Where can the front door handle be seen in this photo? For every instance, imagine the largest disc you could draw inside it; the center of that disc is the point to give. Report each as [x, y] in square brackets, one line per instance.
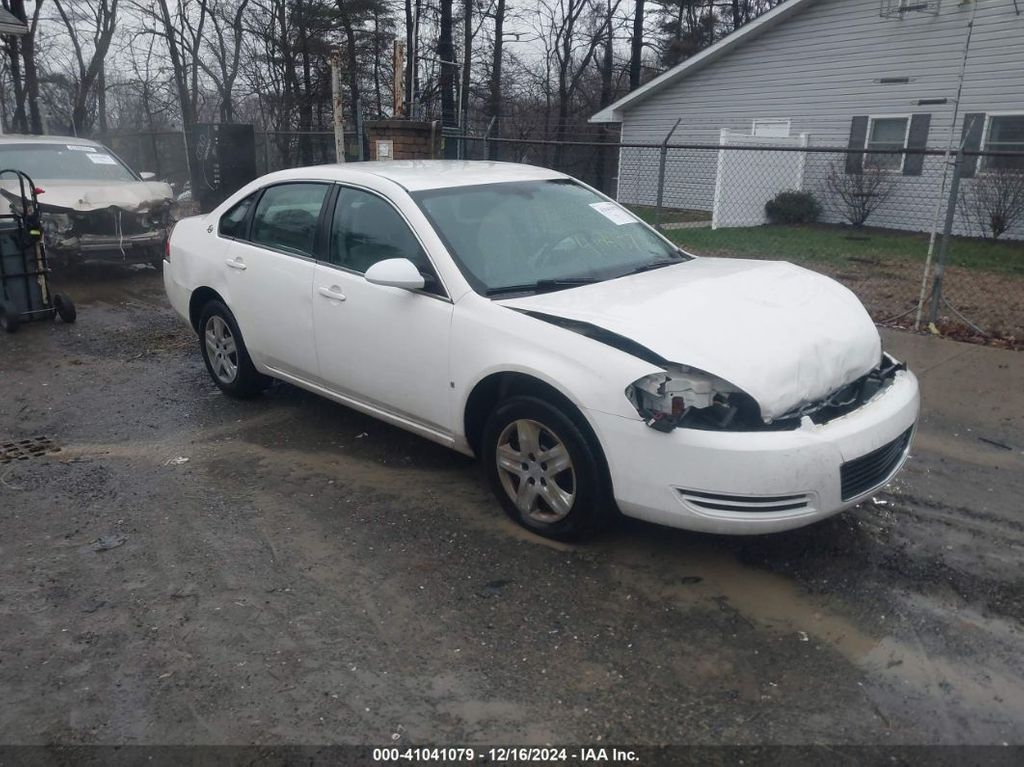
[333, 293]
[236, 263]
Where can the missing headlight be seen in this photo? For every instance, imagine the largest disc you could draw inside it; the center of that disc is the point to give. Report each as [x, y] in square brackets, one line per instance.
[684, 397]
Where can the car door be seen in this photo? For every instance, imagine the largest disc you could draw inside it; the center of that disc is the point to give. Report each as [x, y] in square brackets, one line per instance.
[384, 346]
[270, 274]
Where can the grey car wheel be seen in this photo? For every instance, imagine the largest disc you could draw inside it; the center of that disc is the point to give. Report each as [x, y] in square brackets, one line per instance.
[536, 471]
[221, 349]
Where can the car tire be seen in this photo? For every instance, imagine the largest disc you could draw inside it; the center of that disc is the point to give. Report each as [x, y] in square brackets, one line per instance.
[227, 360]
[65, 308]
[10, 319]
[569, 503]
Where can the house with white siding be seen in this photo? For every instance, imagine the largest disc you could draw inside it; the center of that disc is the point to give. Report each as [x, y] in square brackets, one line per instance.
[857, 74]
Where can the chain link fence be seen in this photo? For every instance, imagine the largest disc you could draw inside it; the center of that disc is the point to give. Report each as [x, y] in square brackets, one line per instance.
[164, 152]
[863, 218]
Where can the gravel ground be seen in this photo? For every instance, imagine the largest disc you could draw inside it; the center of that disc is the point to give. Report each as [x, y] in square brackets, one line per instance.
[189, 569]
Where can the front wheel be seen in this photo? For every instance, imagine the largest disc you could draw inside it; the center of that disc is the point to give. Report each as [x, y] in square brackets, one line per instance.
[544, 470]
[227, 360]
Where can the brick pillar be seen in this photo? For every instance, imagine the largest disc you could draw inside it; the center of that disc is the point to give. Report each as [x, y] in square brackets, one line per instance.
[410, 140]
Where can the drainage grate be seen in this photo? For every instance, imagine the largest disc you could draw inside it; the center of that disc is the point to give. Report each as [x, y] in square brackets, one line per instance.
[23, 449]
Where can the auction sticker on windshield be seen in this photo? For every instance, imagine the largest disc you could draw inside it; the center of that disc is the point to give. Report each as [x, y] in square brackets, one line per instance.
[613, 213]
[80, 148]
[102, 159]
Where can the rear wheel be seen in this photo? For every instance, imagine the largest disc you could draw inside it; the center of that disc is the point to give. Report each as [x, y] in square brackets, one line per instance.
[227, 360]
[544, 470]
[10, 319]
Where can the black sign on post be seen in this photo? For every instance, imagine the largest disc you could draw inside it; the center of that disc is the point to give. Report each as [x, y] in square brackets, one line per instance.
[223, 159]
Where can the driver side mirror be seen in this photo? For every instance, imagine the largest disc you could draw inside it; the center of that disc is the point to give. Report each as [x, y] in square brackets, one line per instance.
[147, 175]
[396, 273]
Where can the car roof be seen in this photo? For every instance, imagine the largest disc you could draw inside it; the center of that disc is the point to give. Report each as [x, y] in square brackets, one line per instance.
[418, 175]
[24, 138]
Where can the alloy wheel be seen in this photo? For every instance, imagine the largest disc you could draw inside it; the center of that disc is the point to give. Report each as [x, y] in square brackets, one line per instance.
[536, 471]
[221, 349]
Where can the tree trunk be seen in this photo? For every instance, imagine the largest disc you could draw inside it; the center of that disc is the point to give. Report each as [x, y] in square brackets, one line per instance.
[467, 58]
[352, 60]
[30, 94]
[101, 99]
[410, 58]
[19, 121]
[415, 57]
[494, 108]
[446, 52]
[636, 45]
[607, 63]
[376, 64]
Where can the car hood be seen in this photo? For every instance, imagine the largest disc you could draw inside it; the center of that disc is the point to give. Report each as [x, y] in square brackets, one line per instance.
[85, 196]
[785, 335]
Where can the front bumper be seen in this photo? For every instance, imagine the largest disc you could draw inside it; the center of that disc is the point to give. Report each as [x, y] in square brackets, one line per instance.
[757, 482]
[129, 249]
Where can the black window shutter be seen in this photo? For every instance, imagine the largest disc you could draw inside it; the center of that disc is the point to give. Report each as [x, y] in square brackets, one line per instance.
[913, 164]
[974, 126]
[858, 138]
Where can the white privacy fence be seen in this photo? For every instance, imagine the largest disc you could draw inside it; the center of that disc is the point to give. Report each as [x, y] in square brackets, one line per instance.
[747, 179]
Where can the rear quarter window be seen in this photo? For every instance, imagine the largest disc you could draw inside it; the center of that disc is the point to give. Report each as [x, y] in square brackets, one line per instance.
[232, 223]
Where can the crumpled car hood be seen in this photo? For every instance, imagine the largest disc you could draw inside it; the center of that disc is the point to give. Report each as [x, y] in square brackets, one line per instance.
[85, 196]
[785, 335]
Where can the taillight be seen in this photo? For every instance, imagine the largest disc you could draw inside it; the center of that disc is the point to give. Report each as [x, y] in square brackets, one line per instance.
[167, 244]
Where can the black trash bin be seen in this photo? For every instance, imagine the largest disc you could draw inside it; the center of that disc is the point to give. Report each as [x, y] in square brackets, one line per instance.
[24, 276]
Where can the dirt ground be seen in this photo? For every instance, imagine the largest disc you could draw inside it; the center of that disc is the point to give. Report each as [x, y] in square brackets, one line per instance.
[191, 569]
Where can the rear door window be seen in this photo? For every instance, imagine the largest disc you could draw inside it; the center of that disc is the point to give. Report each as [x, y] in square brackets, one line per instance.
[287, 217]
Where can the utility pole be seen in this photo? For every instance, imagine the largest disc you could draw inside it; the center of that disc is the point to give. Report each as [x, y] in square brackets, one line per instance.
[338, 106]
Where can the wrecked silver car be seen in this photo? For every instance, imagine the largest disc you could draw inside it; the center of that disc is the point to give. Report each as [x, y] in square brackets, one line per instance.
[92, 205]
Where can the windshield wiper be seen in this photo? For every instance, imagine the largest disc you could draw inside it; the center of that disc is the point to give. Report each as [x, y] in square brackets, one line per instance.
[542, 286]
[656, 265]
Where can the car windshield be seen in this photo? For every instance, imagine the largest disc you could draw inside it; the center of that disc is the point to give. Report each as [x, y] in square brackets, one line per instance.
[65, 162]
[541, 235]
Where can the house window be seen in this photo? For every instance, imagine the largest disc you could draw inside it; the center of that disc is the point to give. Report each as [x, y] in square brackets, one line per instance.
[886, 133]
[1005, 133]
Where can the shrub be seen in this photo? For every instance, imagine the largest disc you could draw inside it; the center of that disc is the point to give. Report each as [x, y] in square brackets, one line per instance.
[995, 204]
[855, 196]
[793, 208]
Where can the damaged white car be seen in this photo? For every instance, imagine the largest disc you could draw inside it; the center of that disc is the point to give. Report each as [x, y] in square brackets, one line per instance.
[512, 313]
[92, 205]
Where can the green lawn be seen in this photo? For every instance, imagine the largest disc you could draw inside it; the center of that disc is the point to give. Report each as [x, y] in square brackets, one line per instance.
[841, 245]
[669, 215]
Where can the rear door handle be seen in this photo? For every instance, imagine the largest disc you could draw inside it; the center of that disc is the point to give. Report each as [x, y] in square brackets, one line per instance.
[236, 263]
[333, 293]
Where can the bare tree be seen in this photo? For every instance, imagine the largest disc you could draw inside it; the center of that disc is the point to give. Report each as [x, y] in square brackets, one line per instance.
[855, 196]
[225, 46]
[636, 45]
[494, 98]
[99, 20]
[446, 54]
[994, 202]
[27, 117]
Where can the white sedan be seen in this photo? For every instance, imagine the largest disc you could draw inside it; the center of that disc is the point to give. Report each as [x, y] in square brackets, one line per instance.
[515, 314]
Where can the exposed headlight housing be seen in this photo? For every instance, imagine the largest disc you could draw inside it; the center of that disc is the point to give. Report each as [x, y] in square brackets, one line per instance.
[687, 397]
